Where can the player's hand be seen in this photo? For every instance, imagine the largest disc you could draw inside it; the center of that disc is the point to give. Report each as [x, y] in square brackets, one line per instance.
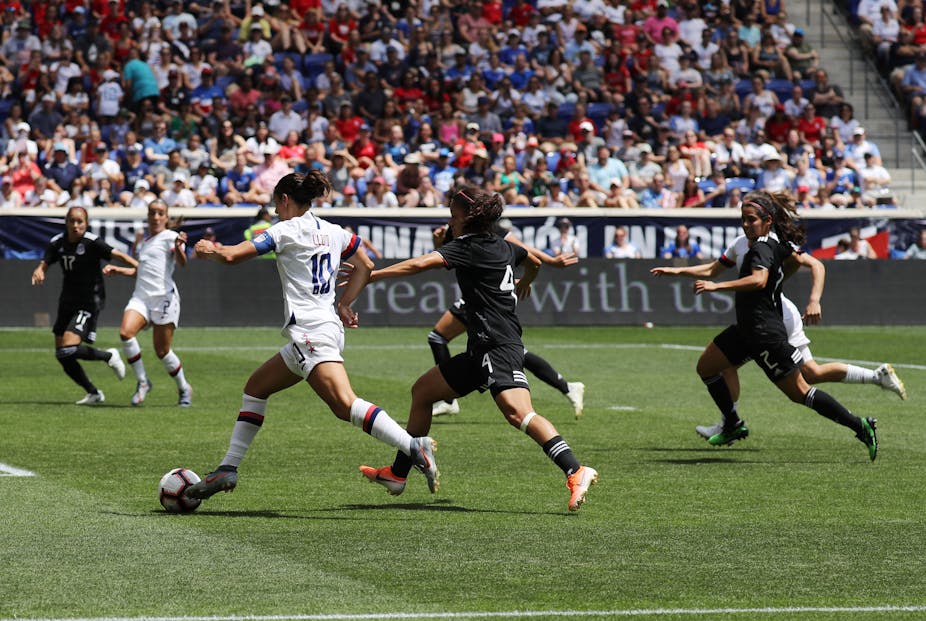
[109, 270]
[344, 273]
[664, 271]
[204, 248]
[180, 242]
[38, 277]
[700, 286]
[523, 290]
[438, 234]
[565, 260]
[814, 313]
[348, 317]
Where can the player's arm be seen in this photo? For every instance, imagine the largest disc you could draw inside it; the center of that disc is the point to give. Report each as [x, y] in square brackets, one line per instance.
[228, 255]
[531, 268]
[813, 314]
[754, 282]
[409, 267]
[122, 257]
[361, 269]
[563, 260]
[704, 270]
[180, 249]
[38, 274]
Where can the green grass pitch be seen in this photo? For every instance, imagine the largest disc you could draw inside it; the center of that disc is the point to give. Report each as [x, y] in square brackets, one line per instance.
[794, 517]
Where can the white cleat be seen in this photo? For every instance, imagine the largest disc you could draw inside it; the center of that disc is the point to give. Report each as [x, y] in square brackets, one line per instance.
[115, 363]
[888, 380]
[92, 398]
[706, 431]
[186, 396]
[141, 391]
[423, 457]
[442, 408]
[576, 396]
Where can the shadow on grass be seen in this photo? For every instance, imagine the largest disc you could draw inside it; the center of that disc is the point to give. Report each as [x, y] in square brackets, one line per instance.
[437, 506]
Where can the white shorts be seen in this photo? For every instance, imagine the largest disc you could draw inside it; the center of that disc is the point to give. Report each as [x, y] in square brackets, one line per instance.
[308, 347]
[795, 327]
[159, 310]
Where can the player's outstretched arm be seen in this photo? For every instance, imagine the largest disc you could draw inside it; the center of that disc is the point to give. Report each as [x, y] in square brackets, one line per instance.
[122, 257]
[754, 282]
[704, 270]
[229, 255]
[409, 267]
[560, 261]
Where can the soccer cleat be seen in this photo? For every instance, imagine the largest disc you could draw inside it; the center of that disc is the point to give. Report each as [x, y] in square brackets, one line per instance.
[223, 479]
[868, 436]
[115, 363]
[888, 380]
[578, 483]
[576, 396]
[92, 398]
[186, 396]
[141, 391]
[706, 431]
[442, 407]
[729, 436]
[423, 455]
[393, 484]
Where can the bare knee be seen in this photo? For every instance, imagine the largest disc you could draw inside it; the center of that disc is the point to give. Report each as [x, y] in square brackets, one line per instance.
[811, 373]
[161, 350]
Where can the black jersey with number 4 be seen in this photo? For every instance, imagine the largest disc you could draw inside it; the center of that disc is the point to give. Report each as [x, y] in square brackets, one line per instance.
[484, 266]
[83, 276]
[758, 313]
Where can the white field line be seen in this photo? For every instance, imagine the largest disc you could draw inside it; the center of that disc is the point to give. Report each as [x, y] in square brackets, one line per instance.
[514, 614]
[580, 346]
[7, 470]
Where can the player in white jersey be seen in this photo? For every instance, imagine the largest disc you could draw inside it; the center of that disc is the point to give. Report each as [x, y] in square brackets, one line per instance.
[155, 302]
[309, 252]
[814, 372]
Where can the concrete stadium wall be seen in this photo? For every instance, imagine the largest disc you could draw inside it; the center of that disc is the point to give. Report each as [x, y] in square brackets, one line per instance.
[596, 292]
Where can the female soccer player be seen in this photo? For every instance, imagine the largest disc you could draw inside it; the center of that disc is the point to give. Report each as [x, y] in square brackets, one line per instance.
[883, 376]
[453, 323]
[494, 356]
[309, 251]
[82, 298]
[770, 224]
[155, 302]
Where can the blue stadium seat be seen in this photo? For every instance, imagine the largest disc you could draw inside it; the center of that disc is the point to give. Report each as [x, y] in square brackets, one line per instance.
[300, 106]
[598, 112]
[745, 184]
[223, 81]
[311, 62]
[565, 111]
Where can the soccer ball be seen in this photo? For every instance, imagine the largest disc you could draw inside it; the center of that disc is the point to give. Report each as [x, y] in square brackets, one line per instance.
[171, 488]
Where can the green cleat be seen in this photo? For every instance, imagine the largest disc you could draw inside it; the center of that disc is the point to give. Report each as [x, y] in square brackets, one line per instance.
[729, 436]
[868, 436]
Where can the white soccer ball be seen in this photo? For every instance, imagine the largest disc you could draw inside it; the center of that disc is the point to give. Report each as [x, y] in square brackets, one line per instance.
[171, 488]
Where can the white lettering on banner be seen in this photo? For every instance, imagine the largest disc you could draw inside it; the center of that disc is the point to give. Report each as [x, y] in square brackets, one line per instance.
[712, 239]
[716, 302]
[642, 237]
[398, 242]
[120, 234]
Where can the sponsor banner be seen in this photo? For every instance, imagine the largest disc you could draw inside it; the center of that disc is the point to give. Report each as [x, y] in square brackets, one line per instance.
[401, 237]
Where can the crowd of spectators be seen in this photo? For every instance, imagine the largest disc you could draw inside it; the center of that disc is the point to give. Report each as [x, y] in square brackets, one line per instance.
[565, 103]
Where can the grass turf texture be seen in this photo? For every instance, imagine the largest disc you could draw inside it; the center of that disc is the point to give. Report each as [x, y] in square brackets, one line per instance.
[794, 516]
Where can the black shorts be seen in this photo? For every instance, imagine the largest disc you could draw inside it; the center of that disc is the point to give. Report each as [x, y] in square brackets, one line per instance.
[79, 319]
[777, 359]
[458, 310]
[495, 370]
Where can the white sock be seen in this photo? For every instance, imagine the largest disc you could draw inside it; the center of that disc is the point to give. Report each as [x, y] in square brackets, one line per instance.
[375, 421]
[133, 357]
[250, 419]
[174, 369]
[859, 375]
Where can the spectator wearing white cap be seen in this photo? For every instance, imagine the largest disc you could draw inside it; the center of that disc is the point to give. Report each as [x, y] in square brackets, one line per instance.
[20, 142]
[45, 117]
[60, 170]
[9, 198]
[109, 96]
[860, 146]
[103, 167]
[64, 69]
[177, 193]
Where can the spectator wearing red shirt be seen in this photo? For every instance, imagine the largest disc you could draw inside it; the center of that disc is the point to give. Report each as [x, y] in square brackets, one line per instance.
[348, 124]
[626, 34]
[109, 24]
[363, 147]
[339, 28]
[778, 125]
[811, 126]
[520, 13]
[408, 90]
[492, 11]
[313, 30]
[654, 24]
[298, 8]
[575, 125]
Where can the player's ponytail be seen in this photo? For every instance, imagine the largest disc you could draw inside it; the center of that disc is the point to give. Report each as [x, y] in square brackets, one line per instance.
[482, 208]
[782, 210]
[304, 189]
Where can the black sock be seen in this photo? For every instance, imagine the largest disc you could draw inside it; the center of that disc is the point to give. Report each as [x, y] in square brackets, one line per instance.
[66, 357]
[557, 450]
[825, 405]
[720, 393]
[544, 372]
[439, 350]
[85, 352]
[402, 464]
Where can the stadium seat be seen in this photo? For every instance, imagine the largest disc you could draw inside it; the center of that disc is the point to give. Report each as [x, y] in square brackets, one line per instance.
[313, 62]
[598, 112]
[279, 57]
[223, 81]
[744, 184]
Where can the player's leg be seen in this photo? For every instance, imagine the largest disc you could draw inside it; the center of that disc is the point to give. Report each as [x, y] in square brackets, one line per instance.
[134, 320]
[66, 346]
[795, 386]
[884, 376]
[271, 377]
[732, 378]
[448, 327]
[515, 404]
[724, 352]
[163, 339]
[544, 371]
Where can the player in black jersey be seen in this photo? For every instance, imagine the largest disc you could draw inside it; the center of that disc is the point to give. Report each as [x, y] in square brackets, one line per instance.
[770, 223]
[453, 323]
[494, 356]
[82, 298]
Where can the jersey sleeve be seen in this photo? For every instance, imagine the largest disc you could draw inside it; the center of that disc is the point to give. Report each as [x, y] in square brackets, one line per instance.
[270, 239]
[454, 255]
[350, 242]
[762, 256]
[519, 253]
[103, 249]
[52, 253]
